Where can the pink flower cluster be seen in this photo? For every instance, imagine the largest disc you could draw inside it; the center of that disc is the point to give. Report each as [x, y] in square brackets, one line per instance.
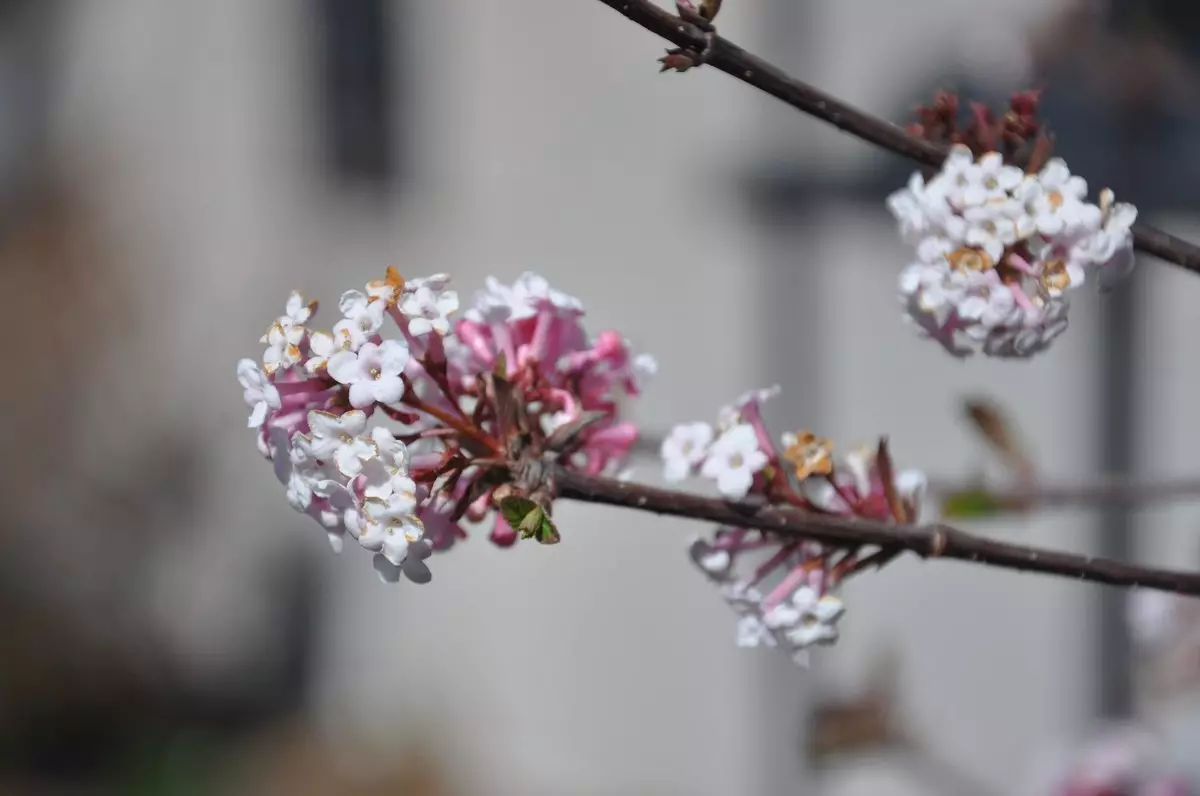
[395, 441]
[788, 599]
[1126, 761]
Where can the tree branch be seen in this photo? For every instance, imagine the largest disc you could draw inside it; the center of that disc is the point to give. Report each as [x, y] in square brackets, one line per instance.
[1110, 492]
[927, 541]
[748, 68]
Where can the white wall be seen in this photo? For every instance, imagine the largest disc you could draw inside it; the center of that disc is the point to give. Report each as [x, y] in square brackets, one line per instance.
[549, 142]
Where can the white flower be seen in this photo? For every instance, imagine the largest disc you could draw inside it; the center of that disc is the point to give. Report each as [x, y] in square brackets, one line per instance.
[1110, 248]
[285, 335]
[322, 346]
[731, 415]
[1056, 201]
[733, 460]
[297, 312]
[413, 565]
[380, 530]
[535, 292]
[993, 226]
[714, 562]
[283, 347]
[1153, 616]
[644, 367]
[911, 486]
[807, 618]
[752, 632]
[257, 390]
[428, 310]
[363, 318]
[986, 180]
[685, 448]
[340, 505]
[337, 437]
[989, 307]
[373, 372]
[921, 210]
[299, 491]
[397, 506]
[392, 451]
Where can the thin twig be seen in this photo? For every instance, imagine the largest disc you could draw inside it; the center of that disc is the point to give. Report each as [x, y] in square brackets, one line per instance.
[726, 56]
[927, 541]
[1110, 492]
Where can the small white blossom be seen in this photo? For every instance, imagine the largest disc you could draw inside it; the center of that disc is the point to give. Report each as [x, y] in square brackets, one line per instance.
[412, 566]
[429, 310]
[258, 391]
[753, 632]
[338, 437]
[714, 562]
[732, 414]
[362, 318]
[733, 460]
[372, 372]
[684, 449]
[398, 505]
[987, 180]
[807, 618]
[283, 347]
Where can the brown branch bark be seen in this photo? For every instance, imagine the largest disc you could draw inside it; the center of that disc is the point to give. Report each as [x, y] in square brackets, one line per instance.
[927, 541]
[731, 59]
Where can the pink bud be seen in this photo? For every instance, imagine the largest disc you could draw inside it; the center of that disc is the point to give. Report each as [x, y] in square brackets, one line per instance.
[502, 534]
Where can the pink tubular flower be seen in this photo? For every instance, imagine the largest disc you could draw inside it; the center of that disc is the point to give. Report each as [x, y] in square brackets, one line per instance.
[449, 387]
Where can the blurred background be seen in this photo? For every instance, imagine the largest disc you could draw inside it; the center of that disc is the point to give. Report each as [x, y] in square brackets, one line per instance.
[170, 170]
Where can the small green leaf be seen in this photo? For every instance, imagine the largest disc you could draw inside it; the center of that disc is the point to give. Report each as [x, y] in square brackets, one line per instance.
[971, 505]
[532, 523]
[548, 533]
[529, 519]
[516, 508]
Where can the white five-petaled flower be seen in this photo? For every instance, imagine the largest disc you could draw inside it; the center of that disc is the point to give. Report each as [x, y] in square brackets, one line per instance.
[338, 437]
[428, 309]
[411, 566]
[283, 347]
[362, 318]
[684, 449]
[372, 372]
[257, 390]
[733, 461]
[986, 180]
[807, 618]
[285, 335]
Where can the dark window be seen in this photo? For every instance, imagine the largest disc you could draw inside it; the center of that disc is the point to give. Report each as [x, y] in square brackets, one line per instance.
[356, 61]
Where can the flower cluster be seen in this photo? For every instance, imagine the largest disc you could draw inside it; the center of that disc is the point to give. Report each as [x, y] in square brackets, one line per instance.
[998, 249]
[789, 599]
[397, 441]
[1125, 761]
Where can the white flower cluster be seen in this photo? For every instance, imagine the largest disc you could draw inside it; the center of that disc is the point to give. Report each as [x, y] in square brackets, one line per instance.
[731, 455]
[997, 250]
[805, 618]
[349, 477]
[354, 480]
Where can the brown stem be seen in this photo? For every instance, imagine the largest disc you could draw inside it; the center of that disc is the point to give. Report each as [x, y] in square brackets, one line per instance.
[479, 443]
[927, 541]
[731, 59]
